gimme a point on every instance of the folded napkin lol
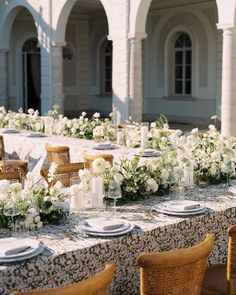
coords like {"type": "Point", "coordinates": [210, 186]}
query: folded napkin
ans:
{"type": "Point", "coordinates": [183, 205]}
{"type": "Point", "coordinates": [105, 224]}
{"type": "Point", "coordinates": [12, 246]}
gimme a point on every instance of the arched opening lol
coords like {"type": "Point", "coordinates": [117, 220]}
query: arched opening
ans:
{"type": "Point", "coordinates": [87, 83]}
{"type": "Point", "coordinates": [181, 69]}
{"type": "Point", "coordinates": [24, 62]}
{"type": "Point", "coordinates": [31, 74]}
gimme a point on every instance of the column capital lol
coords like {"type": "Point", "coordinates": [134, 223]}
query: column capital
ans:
{"type": "Point", "coordinates": [58, 44]}
{"type": "Point", "coordinates": [137, 36]}
{"type": "Point", "coordinates": [226, 27]}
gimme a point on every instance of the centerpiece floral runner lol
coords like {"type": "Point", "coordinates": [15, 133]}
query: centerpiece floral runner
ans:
{"type": "Point", "coordinates": [209, 154]}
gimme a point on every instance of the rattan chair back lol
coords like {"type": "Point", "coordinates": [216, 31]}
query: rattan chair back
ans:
{"type": "Point", "coordinates": [12, 176]}
{"type": "Point", "coordinates": [2, 152]}
{"type": "Point", "coordinates": [89, 157]}
{"type": "Point", "coordinates": [63, 173]}
{"type": "Point", "coordinates": [11, 165]}
{"type": "Point", "coordinates": [231, 262]}
{"type": "Point", "coordinates": [178, 272]}
{"type": "Point", "coordinates": [96, 285]}
{"type": "Point", "coordinates": [58, 154]}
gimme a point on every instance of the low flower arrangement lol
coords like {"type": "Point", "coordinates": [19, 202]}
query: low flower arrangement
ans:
{"type": "Point", "coordinates": [31, 206]}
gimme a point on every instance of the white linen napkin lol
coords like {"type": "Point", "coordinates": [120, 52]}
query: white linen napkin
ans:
{"type": "Point", "coordinates": [105, 224]}
{"type": "Point", "coordinates": [12, 246]}
{"type": "Point", "coordinates": [182, 205]}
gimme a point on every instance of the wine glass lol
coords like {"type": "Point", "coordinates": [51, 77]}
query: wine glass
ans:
{"type": "Point", "coordinates": [11, 212]}
{"type": "Point", "coordinates": [114, 192]}
{"type": "Point", "coordinates": [170, 182]}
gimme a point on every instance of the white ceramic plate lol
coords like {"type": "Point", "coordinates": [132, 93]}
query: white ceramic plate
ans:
{"type": "Point", "coordinates": [11, 131]}
{"type": "Point", "coordinates": [87, 225]}
{"type": "Point", "coordinates": [34, 245]}
{"type": "Point", "coordinates": [111, 234]}
{"type": "Point", "coordinates": [168, 206]}
{"type": "Point", "coordinates": [160, 209]}
{"type": "Point", "coordinates": [16, 259]}
{"type": "Point", "coordinates": [104, 147]}
{"type": "Point", "coordinates": [36, 134]}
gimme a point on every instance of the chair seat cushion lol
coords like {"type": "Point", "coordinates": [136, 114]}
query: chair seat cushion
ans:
{"type": "Point", "coordinates": [215, 278]}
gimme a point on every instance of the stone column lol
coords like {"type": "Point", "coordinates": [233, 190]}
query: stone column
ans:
{"type": "Point", "coordinates": [57, 77]}
{"type": "Point", "coordinates": [120, 74]}
{"type": "Point", "coordinates": [228, 96]}
{"type": "Point", "coordinates": [135, 78]}
{"type": "Point", "coordinates": [3, 77]}
{"type": "Point", "coordinates": [51, 78]}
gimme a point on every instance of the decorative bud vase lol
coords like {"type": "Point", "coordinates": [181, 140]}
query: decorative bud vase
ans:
{"type": "Point", "coordinates": [203, 181]}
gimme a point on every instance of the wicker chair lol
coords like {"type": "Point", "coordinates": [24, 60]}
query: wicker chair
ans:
{"type": "Point", "coordinates": [89, 157]}
{"type": "Point", "coordinates": [64, 173]}
{"type": "Point", "coordinates": [178, 272]}
{"type": "Point", "coordinates": [58, 154]}
{"type": "Point", "coordinates": [96, 285]}
{"type": "Point", "coordinates": [221, 278]}
{"type": "Point", "coordinates": [11, 164]}
{"type": "Point", "coordinates": [13, 176]}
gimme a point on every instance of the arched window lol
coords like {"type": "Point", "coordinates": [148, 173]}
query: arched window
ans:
{"type": "Point", "coordinates": [106, 68]}
{"type": "Point", "coordinates": [183, 65]}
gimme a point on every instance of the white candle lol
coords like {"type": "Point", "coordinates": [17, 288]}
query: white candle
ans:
{"type": "Point", "coordinates": [120, 137]}
{"type": "Point", "coordinates": [144, 135]}
{"type": "Point", "coordinates": [76, 202]}
{"type": "Point", "coordinates": [97, 191]}
{"type": "Point", "coordinates": [48, 125]}
{"type": "Point", "coordinates": [188, 176]}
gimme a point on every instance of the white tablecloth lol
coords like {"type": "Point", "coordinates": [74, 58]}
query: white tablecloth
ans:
{"type": "Point", "coordinates": [32, 149]}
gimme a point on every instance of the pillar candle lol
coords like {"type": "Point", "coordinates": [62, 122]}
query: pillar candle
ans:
{"type": "Point", "coordinates": [144, 135]}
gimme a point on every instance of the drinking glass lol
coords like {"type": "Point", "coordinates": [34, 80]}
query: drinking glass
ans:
{"type": "Point", "coordinates": [114, 192]}
{"type": "Point", "coordinates": [12, 212]}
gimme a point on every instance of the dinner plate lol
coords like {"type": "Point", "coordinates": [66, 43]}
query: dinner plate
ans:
{"type": "Point", "coordinates": [121, 225]}
{"type": "Point", "coordinates": [36, 134]}
{"type": "Point", "coordinates": [161, 209]}
{"type": "Point", "coordinates": [11, 131]}
{"type": "Point", "coordinates": [168, 206]}
{"type": "Point", "coordinates": [33, 244]}
{"type": "Point", "coordinates": [104, 147]}
{"type": "Point", "coordinates": [36, 252]}
{"type": "Point", "coordinates": [109, 234]}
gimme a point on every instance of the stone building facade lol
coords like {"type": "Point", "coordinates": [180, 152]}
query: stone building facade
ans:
{"type": "Point", "coordinates": [144, 57]}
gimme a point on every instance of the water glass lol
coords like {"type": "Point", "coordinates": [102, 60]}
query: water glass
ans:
{"type": "Point", "coordinates": [114, 192]}
{"type": "Point", "coordinates": [12, 212]}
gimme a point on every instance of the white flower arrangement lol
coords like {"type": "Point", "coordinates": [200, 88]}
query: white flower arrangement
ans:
{"type": "Point", "coordinates": [30, 206]}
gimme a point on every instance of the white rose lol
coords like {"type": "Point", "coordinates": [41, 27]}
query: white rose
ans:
{"type": "Point", "coordinates": [84, 174]}
{"type": "Point", "coordinates": [16, 187]}
{"type": "Point", "coordinates": [98, 165]}
{"type": "Point", "coordinates": [84, 114]}
{"type": "Point", "coordinates": [194, 130]}
{"type": "Point", "coordinates": [39, 224]}
{"type": "Point", "coordinates": [152, 185]}
{"type": "Point", "coordinates": [96, 115]}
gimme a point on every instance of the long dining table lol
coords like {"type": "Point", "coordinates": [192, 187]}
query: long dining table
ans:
{"type": "Point", "coordinates": [31, 147]}
{"type": "Point", "coordinates": [71, 256]}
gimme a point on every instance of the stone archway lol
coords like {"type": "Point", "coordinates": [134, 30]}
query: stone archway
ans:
{"type": "Point", "coordinates": [7, 76]}
{"type": "Point", "coordinates": [10, 12]}
{"type": "Point", "coordinates": [62, 13]}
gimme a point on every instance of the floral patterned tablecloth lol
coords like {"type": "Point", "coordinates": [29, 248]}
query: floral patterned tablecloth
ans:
{"type": "Point", "coordinates": [70, 256]}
